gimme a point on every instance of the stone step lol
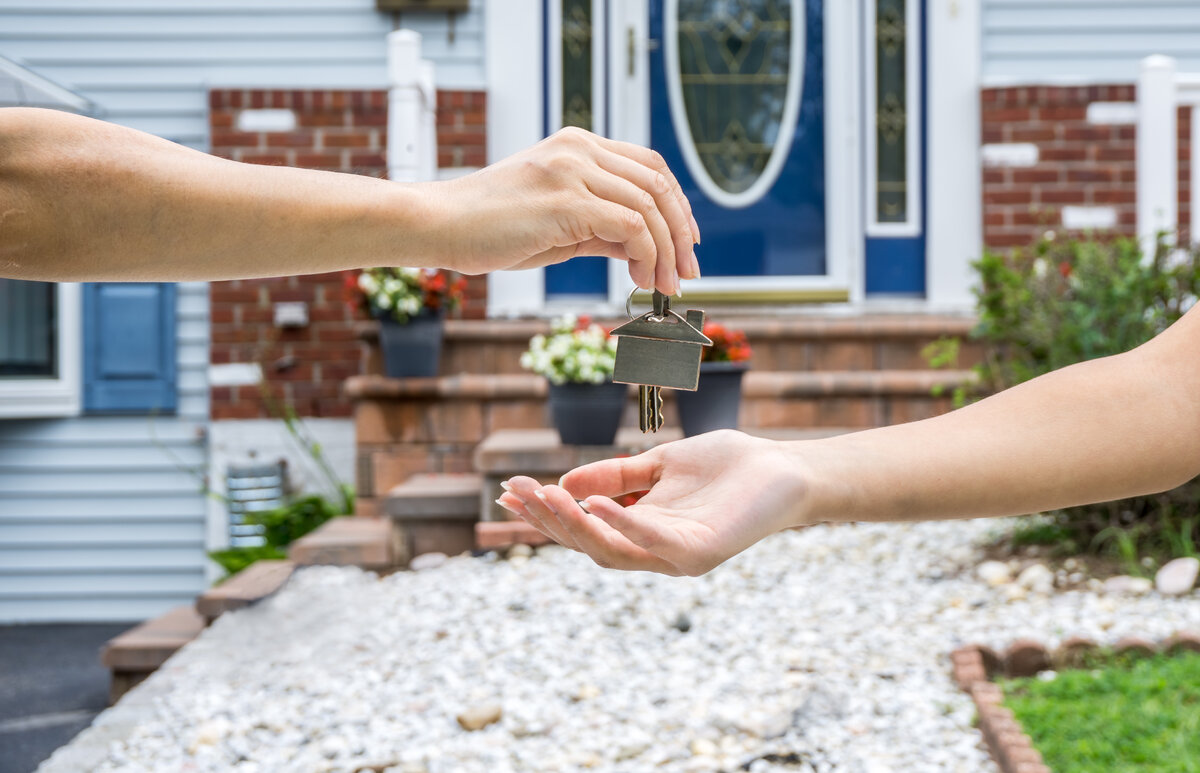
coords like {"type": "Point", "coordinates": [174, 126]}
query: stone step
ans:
{"type": "Point", "coordinates": [792, 341]}
{"type": "Point", "coordinates": [252, 584]}
{"type": "Point", "coordinates": [434, 514]}
{"type": "Point", "coordinates": [135, 654]}
{"type": "Point", "coordinates": [367, 543]}
{"type": "Point", "coordinates": [499, 535]}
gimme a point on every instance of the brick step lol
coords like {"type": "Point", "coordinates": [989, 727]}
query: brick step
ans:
{"type": "Point", "coordinates": [793, 342]}
{"type": "Point", "coordinates": [252, 584]}
{"type": "Point", "coordinates": [367, 543]}
{"type": "Point", "coordinates": [499, 535]}
{"type": "Point", "coordinates": [135, 654]}
{"type": "Point", "coordinates": [434, 514]}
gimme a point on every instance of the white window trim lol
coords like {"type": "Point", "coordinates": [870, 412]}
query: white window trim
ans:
{"type": "Point", "coordinates": [912, 136]}
{"type": "Point", "coordinates": [53, 397]}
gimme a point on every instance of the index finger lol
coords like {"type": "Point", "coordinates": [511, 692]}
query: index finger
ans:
{"type": "Point", "coordinates": [613, 477]}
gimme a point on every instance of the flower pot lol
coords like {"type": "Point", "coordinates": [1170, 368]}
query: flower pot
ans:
{"type": "Point", "coordinates": [715, 404]}
{"type": "Point", "coordinates": [412, 350]}
{"type": "Point", "coordinates": [587, 414]}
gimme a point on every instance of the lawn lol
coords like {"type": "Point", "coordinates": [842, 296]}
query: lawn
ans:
{"type": "Point", "coordinates": [1139, 717]}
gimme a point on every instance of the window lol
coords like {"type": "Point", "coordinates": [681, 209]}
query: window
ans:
{"type": "Point", "coordinates": [27, 335]}
{"type": "Point", "coordinates": [39, 349]}
{"type": "Point", "coordinates": [893, 109]}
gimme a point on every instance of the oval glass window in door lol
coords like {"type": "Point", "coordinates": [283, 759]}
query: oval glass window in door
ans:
{"type": "Point", "coordinates": [734, 71]}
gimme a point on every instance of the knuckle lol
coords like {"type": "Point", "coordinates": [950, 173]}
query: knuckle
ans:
{"type": "Point", "coordinates": [659, 183]}
{"type": "Point", "coordinates": [657, 160]}
{"type": "Point", "coordinates": [631, 221]}
{"type": "Point", "coordinates": [602, 562]}
{"type": "Point", "coordinates": [645, 203]}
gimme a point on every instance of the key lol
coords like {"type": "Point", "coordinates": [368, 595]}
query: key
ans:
{"type": "Point", "coordinates": [660, 349]}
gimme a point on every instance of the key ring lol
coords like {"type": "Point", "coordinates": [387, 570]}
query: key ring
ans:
{"type": "Point", "coordinates": [654, 314]}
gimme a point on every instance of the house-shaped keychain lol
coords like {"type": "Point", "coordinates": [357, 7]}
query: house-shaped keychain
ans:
{"type": "Point", "coordinates": [661, 348]}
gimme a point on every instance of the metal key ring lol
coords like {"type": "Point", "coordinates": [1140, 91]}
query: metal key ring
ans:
{"type": "Point", "coordinates": [653, 317]}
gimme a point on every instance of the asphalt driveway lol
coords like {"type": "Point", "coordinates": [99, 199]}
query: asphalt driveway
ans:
{"type": "Point", "coordinates": [51, 687]}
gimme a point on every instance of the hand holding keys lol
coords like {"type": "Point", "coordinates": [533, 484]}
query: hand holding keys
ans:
{"type": "Point", "coordinates": [659, 349]}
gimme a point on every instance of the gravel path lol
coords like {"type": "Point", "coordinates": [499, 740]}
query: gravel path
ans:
{"type": "Point", "coordinates": [820, 650]}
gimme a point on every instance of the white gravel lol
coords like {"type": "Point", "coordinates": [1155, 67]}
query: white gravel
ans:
{"type": "Point", "coordinates": [820, 650]}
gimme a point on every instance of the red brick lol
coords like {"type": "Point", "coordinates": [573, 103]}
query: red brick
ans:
{"type": "Point", "coordinates": [346, 140]}
{"type": "Point", "coordinates": [234, 139]}
{"type": "Point", "coordinates": [322, 118]}
{"type": "Point", "coordinates": [296, 139]}
{"type": "Point", "coordinates": [372, 118]}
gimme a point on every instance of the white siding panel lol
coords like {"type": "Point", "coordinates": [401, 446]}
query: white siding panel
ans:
{"type": "Point", "coordinates": [1084, 41]}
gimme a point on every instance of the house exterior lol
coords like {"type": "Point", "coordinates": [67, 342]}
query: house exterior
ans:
{"type": "Point", "coordinates": [844, 158]}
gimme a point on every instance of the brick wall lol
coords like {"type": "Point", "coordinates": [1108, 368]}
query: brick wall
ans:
{"type": "Point", "coordinates": [1057, 157]}
{"type": "Point", "coordinates": [343, 131]}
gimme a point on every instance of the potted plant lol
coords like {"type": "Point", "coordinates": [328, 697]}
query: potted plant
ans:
{"type": "Point", "coordinates": [714, 405]}
{"type": "Point", "coordinates": [577, 359]}
{"type": "Point", "coordinates": [410, 304]}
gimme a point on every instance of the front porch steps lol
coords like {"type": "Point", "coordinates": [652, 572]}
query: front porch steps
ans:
{"type": "Point", "coordinates": [367, 543]}
{"type": "Point", "coordinates": [434, 514]}
{"type": "Point", "coordinates": [254, 583]}
{"type": "Point", "coordinates": [134, 655]}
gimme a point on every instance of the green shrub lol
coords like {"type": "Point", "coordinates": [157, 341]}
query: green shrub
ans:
{"type": "Point", "coordinates": [1064, 301]}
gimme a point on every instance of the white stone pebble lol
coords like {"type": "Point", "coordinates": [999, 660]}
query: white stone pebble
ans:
{"type": "Point", "coordinates": [819, 650]}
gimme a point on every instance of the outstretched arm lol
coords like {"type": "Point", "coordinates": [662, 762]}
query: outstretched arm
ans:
{"type": "Point", "coordinates": [82, 200]}
{"type": "Point", "coordinates": [1100, 430]}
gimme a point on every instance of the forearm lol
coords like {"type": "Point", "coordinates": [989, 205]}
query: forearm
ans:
{"type": "Point", "coordinates": [83, 199]}
{"type": "Point", "coordinates": [1100, 430]}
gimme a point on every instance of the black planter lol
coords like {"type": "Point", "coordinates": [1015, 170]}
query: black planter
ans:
{"type": "Point", "coordinates": [412, 350]}
{"type": "Point", "coordinates": [587, 414]}
{"type": "Point", "coordinates": [715, 404]}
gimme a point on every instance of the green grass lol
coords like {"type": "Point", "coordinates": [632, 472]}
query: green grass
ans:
{"type": "Point", "coordinates": [1139, 717]}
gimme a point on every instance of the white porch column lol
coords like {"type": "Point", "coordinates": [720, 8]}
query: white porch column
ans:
{"type": "Point", "coordinates": [412, 105]}
{"type": "Point", "coordinates": [1157, 159]}
{"type": "Point", "coordinates": [513, 46]}
{"type": "Point", "coordinates": [954, 218]}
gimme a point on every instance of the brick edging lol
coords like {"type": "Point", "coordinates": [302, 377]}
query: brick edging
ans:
{"type": "Point", "coordinates": [975, 665]}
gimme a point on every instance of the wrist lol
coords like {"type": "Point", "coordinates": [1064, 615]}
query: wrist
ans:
{"type": "Point", "coordinates": [819, 493]}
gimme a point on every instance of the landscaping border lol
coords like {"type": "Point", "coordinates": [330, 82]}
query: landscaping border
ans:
{"type": "Point", "coordinates": [975, 665]}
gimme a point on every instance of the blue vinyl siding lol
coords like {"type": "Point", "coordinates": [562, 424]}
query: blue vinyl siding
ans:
{"type": "Point", "coordinates": [1096, 41]}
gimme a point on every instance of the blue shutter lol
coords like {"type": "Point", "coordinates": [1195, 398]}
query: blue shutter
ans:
{"type": "Point", "coordinates": [129, 348]}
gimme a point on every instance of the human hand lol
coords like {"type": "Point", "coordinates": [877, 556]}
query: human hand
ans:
{"type": "Point", "coordinates": [572, 194]}
{"type": "Point", "coordinates": [709, 498]}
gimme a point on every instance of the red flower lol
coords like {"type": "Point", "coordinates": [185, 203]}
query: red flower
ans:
{"type": "Point", "coordinates": [1064, 268]}
{"type": "Point", "coordinates": [728, 345]}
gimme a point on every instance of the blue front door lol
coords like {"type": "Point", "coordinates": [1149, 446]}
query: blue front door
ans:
{"type": "Point", "coordinates": [737, 111]}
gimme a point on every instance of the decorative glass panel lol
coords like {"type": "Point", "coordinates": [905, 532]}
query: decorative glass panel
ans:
{"type": "Point", "coordinates": [891, 112]}
{"type": "Point", "coordinates": [734, 64]}
{"type": "Point", "coordinates": [577, 63]}
{"type": "Point", "coordinates": [27, 329]}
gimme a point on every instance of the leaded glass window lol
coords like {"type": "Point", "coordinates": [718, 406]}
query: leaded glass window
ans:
{"type": "Point", "coordinates": [577, 64]}
{"type": "Point", "coordinates": [735, 60]}
{"type": "Point", "coordinates": [891, 111]}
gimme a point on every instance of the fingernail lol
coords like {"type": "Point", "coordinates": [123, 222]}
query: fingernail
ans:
{"type": "Point", "coordinates": [695, 228]}
{"type": "Point", "coordinates": [695, 264]}
{"type": "Point", "coordinates": [583, 505]}
{"type": "Point", "coordinates": [505, 485]}
{"type": "Point", "coordinates": [508, 507]}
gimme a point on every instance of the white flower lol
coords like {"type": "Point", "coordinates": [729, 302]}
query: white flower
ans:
{"type": "Point", "coordinates": [384, 302]}
{"type": "Point", "coordinates": [1039, 268]}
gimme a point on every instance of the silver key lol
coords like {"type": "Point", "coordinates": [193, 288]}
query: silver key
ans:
{"type": "Point", "coordinates": [659, 349]}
